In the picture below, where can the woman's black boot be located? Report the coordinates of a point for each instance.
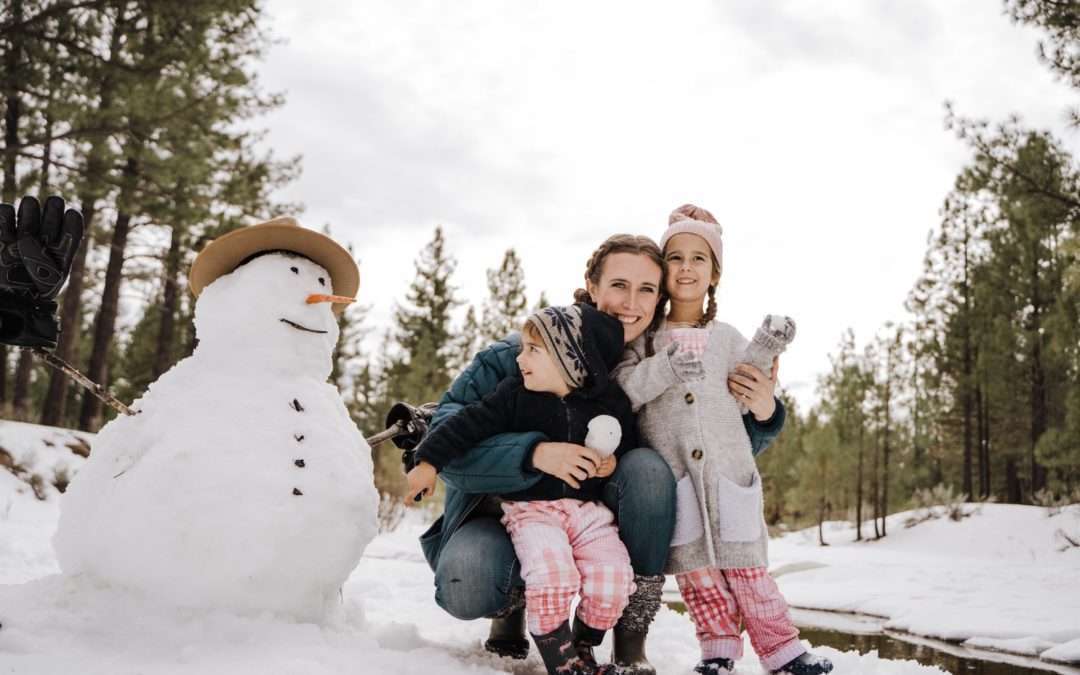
(507, 636)
(628, 653)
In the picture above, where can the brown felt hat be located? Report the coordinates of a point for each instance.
(224, 254)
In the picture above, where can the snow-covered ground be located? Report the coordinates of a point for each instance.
(995, 578)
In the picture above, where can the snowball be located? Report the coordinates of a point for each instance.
(604, 434)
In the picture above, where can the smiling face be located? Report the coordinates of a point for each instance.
(538, 368)
(690, 268)
(628, 289)
(258, 317)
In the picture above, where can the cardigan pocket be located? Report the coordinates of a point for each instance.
(739, 510)
(688, 523)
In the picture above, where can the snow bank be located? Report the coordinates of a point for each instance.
(996, 579)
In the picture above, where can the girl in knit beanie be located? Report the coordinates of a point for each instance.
(696, 399)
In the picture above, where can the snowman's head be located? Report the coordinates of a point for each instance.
(260, 317)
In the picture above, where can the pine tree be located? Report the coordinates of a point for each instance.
(469, 341)
(420, 372)
(504, 310)
(541, 302)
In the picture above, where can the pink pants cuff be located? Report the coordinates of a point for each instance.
(724, 601)
(722, 648)
(783, 654)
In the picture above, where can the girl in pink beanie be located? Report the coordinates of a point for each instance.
(697, 400)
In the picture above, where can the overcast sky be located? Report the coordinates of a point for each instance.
(812, 130)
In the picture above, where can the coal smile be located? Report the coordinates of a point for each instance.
(299, 327)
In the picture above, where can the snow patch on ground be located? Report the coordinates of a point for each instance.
(995, 579)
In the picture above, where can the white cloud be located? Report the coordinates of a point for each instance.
(812, 130)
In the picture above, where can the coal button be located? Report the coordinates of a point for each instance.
(696, 454)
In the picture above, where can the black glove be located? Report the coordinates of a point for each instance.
(36, 250)
(416, 422)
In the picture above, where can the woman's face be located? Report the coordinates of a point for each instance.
(628, 290)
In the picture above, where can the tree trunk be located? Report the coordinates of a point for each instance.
(979, 454)
(858, 488)
(105, 323)
(875, 495)
(71, 312)
(1012, 482)
(821, 523)
(985, 448)
(163, 357)
(20, 396)
(1038, 379)
(11, 140)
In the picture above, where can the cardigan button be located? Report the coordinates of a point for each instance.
(696, 454)
(689, 397)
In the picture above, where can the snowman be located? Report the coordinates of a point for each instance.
(242, 483)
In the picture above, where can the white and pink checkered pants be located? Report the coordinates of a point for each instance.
(719, 600)
(566, 546)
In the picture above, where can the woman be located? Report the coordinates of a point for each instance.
(476, 572)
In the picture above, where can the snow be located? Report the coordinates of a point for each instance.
(995, 580)
(242, 483)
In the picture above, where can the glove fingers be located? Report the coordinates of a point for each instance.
(29, 221)
(71, 234)
(7, 223)
(12, 274)
(51, 217)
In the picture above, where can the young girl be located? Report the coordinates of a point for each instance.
(719, 547)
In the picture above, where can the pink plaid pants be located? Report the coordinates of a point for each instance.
(566, 546)
(719, 600)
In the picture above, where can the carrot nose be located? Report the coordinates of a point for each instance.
(319, 297)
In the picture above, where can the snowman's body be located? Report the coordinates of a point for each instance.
(242, 483)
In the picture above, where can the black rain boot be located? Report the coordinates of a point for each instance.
(628, 653)
(806, 664)
(507, 635)
(585, 638)
(560, 658)
(717, 666)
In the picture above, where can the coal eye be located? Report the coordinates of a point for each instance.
(322, 282)
(295, 270)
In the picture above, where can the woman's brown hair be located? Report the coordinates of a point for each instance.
(627, 243)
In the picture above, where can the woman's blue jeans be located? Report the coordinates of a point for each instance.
(478, 569)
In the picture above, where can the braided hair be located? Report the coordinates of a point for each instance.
(627, 243)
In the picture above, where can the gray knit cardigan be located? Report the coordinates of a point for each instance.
(697, 427)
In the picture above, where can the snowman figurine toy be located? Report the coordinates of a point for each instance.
(242, 483)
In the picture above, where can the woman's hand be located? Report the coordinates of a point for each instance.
(607, 467)
(421, 482)
(751, 387)
(569, 462)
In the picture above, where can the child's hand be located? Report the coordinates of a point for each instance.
(687, 365)
(607, 467)
(421, 482)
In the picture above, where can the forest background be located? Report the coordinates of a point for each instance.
(147, 115)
